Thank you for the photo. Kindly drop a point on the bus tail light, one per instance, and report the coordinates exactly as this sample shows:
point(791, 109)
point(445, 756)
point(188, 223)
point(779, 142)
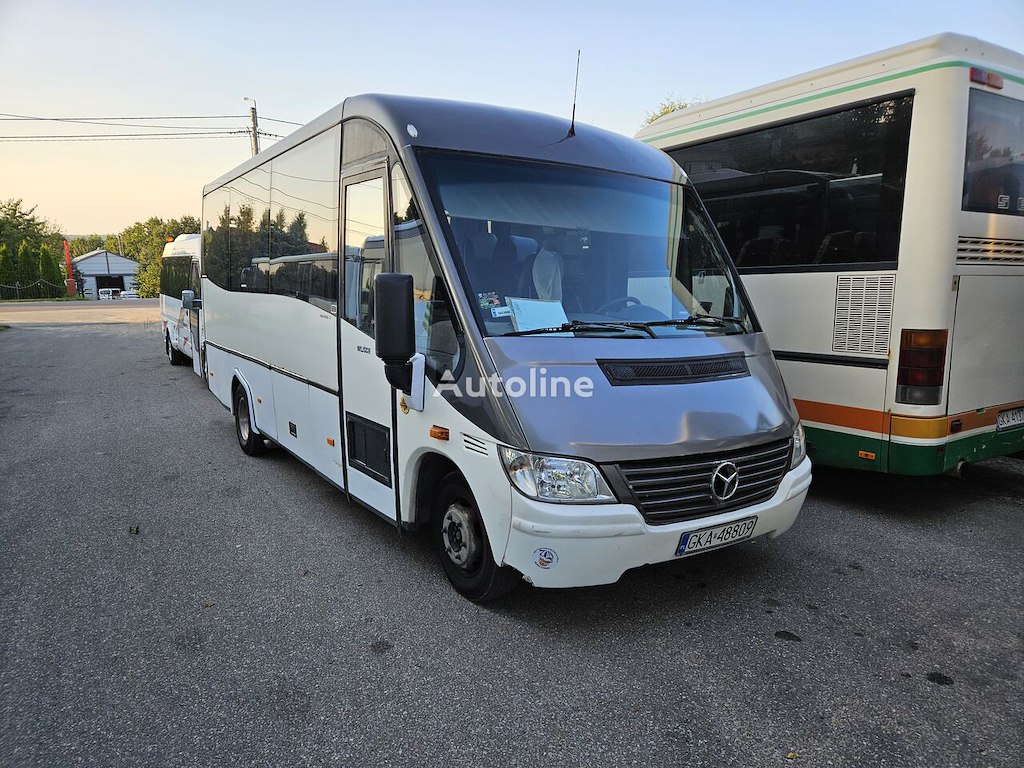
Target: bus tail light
point(922, 367)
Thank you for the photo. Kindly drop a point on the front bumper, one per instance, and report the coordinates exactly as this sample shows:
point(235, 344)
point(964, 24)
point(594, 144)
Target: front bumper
point(577, 545)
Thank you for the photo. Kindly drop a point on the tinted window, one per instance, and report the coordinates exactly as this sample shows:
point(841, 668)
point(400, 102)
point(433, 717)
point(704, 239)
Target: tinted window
point(362, 142)
point(364, 249)
point(827, 190)
point(249, 241)
point(302, 261)
point(438, 336)
point(216, 229)
point(174, 271)
point(195, 284)
point(994, 171)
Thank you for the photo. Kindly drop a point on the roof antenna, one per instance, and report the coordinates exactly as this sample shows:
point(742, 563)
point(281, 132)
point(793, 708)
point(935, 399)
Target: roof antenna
point(575, 88)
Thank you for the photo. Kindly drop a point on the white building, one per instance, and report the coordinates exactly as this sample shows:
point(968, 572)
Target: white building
point(103, 269)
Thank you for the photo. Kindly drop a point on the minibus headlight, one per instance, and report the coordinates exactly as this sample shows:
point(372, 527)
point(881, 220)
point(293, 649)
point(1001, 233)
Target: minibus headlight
point(799, 446)
point(551, 478)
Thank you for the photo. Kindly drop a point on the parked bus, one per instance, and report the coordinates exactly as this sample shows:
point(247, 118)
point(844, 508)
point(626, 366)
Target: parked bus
point(536, 347)
point(180, 270)
point(875, 210)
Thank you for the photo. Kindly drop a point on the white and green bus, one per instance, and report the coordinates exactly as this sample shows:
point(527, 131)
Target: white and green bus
point(875, 210)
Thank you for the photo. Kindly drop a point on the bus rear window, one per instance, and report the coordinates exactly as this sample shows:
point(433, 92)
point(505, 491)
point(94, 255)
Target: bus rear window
point(994, 169)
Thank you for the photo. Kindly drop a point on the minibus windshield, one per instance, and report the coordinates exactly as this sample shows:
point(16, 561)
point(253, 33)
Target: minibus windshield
point(564, 250)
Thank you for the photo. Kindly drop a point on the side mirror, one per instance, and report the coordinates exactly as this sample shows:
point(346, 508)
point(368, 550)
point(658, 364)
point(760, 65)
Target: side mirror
point(189, 300)
point(393, 317)
point(395, 340)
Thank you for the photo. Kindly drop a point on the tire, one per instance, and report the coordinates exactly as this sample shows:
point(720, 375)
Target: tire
point(173, 355)
point(461, 543)
point(250, 441)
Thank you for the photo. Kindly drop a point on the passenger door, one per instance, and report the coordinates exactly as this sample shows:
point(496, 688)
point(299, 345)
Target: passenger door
point(195, 330)
point(367, 399)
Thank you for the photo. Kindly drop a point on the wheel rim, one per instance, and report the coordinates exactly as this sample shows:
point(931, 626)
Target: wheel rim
point(459, 536)
point(243, 420)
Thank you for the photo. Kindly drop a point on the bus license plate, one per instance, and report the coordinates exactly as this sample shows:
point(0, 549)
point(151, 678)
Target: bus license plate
point(693, 542)
point(1010, 419)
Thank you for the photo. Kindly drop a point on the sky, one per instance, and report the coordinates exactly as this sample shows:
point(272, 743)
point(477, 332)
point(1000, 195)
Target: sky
point(139, 58)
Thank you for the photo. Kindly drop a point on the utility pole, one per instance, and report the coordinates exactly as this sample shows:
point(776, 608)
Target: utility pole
point(255, 136)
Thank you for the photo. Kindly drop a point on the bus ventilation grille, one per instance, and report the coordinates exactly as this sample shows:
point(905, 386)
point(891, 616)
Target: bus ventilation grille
point(474, 445)
point(671, 490)
point(668, 371)
point(974, 250)
point(863, 314)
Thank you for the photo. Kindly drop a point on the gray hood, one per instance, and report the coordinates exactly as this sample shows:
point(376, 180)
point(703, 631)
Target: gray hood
point(641, 420)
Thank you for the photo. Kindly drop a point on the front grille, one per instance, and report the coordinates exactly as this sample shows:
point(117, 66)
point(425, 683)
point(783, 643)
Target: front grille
point(671, 490)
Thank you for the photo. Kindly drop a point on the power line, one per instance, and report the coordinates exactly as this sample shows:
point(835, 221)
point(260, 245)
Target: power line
point(184, 130)
point(286, 122)
point(150, 137)
point(215, 132)
point(8, 116)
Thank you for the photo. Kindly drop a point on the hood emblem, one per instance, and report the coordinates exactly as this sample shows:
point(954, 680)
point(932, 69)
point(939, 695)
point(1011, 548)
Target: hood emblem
point(725, 480)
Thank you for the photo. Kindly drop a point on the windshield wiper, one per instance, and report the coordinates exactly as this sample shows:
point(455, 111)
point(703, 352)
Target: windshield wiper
point(580, 325)
point(711, 321)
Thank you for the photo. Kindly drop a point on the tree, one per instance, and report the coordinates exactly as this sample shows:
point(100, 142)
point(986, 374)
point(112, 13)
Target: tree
point(668, 105)
point(83, 245)
point(49, 271)
point(18, 225)
point(144, 242)
point(8, 270)
point(28, 265)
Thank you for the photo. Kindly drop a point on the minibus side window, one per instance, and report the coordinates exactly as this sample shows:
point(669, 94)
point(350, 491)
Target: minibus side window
point(364, 249)
point(438, 337)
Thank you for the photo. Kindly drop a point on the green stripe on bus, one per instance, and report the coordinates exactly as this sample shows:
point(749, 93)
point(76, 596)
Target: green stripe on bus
point(833, 92)
point(839, 449)
point(987, 445)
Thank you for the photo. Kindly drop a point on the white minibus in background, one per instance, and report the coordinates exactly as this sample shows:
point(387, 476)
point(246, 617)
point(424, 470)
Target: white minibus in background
point(180, 270)
point(875, 210)
point(520, 334)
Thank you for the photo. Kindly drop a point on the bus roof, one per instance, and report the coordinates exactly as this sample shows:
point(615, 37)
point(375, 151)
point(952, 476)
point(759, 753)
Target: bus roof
point(183, 245)
point(479, 128)
point(937, 51)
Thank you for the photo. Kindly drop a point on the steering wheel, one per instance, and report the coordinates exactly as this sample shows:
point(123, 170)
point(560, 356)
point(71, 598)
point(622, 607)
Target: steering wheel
point(624, 300)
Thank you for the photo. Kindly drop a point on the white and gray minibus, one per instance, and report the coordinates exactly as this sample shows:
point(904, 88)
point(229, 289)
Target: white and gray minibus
point(182, 328)
point(521, 334)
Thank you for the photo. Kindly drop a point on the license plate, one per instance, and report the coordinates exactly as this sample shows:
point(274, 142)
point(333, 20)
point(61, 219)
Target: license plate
point(1010, 419)
point(693, 542)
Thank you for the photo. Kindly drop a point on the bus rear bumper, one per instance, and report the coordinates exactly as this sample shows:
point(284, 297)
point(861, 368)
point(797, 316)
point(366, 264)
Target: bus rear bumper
point(576, 545)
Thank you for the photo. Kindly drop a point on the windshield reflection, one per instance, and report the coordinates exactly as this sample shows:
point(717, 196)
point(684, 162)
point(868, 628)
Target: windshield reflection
point(571, 251)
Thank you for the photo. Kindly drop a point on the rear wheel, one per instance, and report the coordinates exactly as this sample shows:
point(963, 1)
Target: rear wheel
point(250, 441)
point(462, 546)
point(173, 355)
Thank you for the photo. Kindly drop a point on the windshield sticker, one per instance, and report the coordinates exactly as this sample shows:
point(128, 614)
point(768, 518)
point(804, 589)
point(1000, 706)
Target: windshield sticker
point(488, 300)
point(531, 314)
point(501, 311)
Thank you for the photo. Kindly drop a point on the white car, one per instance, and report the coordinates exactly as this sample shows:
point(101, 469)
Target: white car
point(131, 293)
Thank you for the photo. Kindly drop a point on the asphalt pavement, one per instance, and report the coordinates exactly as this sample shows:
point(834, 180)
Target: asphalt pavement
point(167, 600)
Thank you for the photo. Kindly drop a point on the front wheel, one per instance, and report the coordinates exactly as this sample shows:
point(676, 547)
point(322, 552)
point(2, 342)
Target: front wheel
point(175, 357)
point(462, 546)
point(251, 442)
